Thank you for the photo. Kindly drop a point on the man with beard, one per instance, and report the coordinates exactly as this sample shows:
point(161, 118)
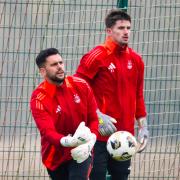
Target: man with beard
point(116, 74)
point(64, 110)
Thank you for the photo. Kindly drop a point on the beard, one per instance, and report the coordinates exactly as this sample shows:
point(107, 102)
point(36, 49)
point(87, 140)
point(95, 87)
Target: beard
point(56, 79)
point(123, 43)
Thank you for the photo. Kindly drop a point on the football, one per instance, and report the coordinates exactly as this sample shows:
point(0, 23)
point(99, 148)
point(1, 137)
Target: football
point(121, 145)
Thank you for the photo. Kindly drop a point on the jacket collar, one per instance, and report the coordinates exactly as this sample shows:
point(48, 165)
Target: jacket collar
point(112, 46)
point(50, 88)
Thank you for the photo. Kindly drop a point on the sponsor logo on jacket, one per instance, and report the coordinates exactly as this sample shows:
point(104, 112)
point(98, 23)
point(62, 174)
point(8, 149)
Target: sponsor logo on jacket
point(58, 110)
point(111, 67)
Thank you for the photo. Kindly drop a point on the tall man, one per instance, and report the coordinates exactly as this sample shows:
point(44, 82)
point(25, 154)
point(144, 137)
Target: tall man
point(64, 110)
point(116, 74)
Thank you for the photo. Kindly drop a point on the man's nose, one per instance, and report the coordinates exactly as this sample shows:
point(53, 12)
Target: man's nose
point(59, 66)
point(126, 31)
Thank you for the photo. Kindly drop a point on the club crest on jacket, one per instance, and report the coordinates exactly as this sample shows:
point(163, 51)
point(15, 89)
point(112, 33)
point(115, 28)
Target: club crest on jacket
point(76, 98)
point(129, 64)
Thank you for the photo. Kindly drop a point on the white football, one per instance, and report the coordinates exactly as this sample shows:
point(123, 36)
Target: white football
point(121, 145)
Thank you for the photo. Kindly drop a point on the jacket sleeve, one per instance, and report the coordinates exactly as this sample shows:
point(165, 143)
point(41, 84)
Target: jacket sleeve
point(140, 104)
point(44, 122)
point(92, 119)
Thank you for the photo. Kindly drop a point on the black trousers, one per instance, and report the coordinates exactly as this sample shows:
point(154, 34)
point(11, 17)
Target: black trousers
point(72, 170)
point(119, 170)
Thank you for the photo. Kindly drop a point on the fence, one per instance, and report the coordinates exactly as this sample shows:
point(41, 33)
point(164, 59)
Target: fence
point(74, 27)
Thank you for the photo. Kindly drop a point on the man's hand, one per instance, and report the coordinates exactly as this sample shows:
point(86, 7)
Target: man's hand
point(82, 135)
point(143, 134)
point(83, 151)
point(106, 126)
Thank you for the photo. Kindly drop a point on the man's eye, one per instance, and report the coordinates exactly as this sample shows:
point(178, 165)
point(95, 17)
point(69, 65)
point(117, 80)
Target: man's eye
point(121, 28)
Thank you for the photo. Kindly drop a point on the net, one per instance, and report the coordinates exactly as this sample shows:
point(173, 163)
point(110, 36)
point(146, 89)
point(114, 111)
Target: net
point(156, 37)
point(74, 27)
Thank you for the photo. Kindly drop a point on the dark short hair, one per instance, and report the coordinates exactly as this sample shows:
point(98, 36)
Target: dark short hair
point(41, 57)
point(115, 15)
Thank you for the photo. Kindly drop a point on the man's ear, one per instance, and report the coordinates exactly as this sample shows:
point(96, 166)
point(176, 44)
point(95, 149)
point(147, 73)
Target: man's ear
point(42, 71)
point(108, 31)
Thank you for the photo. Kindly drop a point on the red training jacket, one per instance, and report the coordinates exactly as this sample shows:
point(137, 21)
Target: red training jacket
point(116, 75)
point(57, 111)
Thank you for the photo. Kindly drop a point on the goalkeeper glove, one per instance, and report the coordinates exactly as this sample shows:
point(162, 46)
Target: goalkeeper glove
point(83, 151)
point(82, 135)
point(143, 134)
point(68, 141)
point(106, 126)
